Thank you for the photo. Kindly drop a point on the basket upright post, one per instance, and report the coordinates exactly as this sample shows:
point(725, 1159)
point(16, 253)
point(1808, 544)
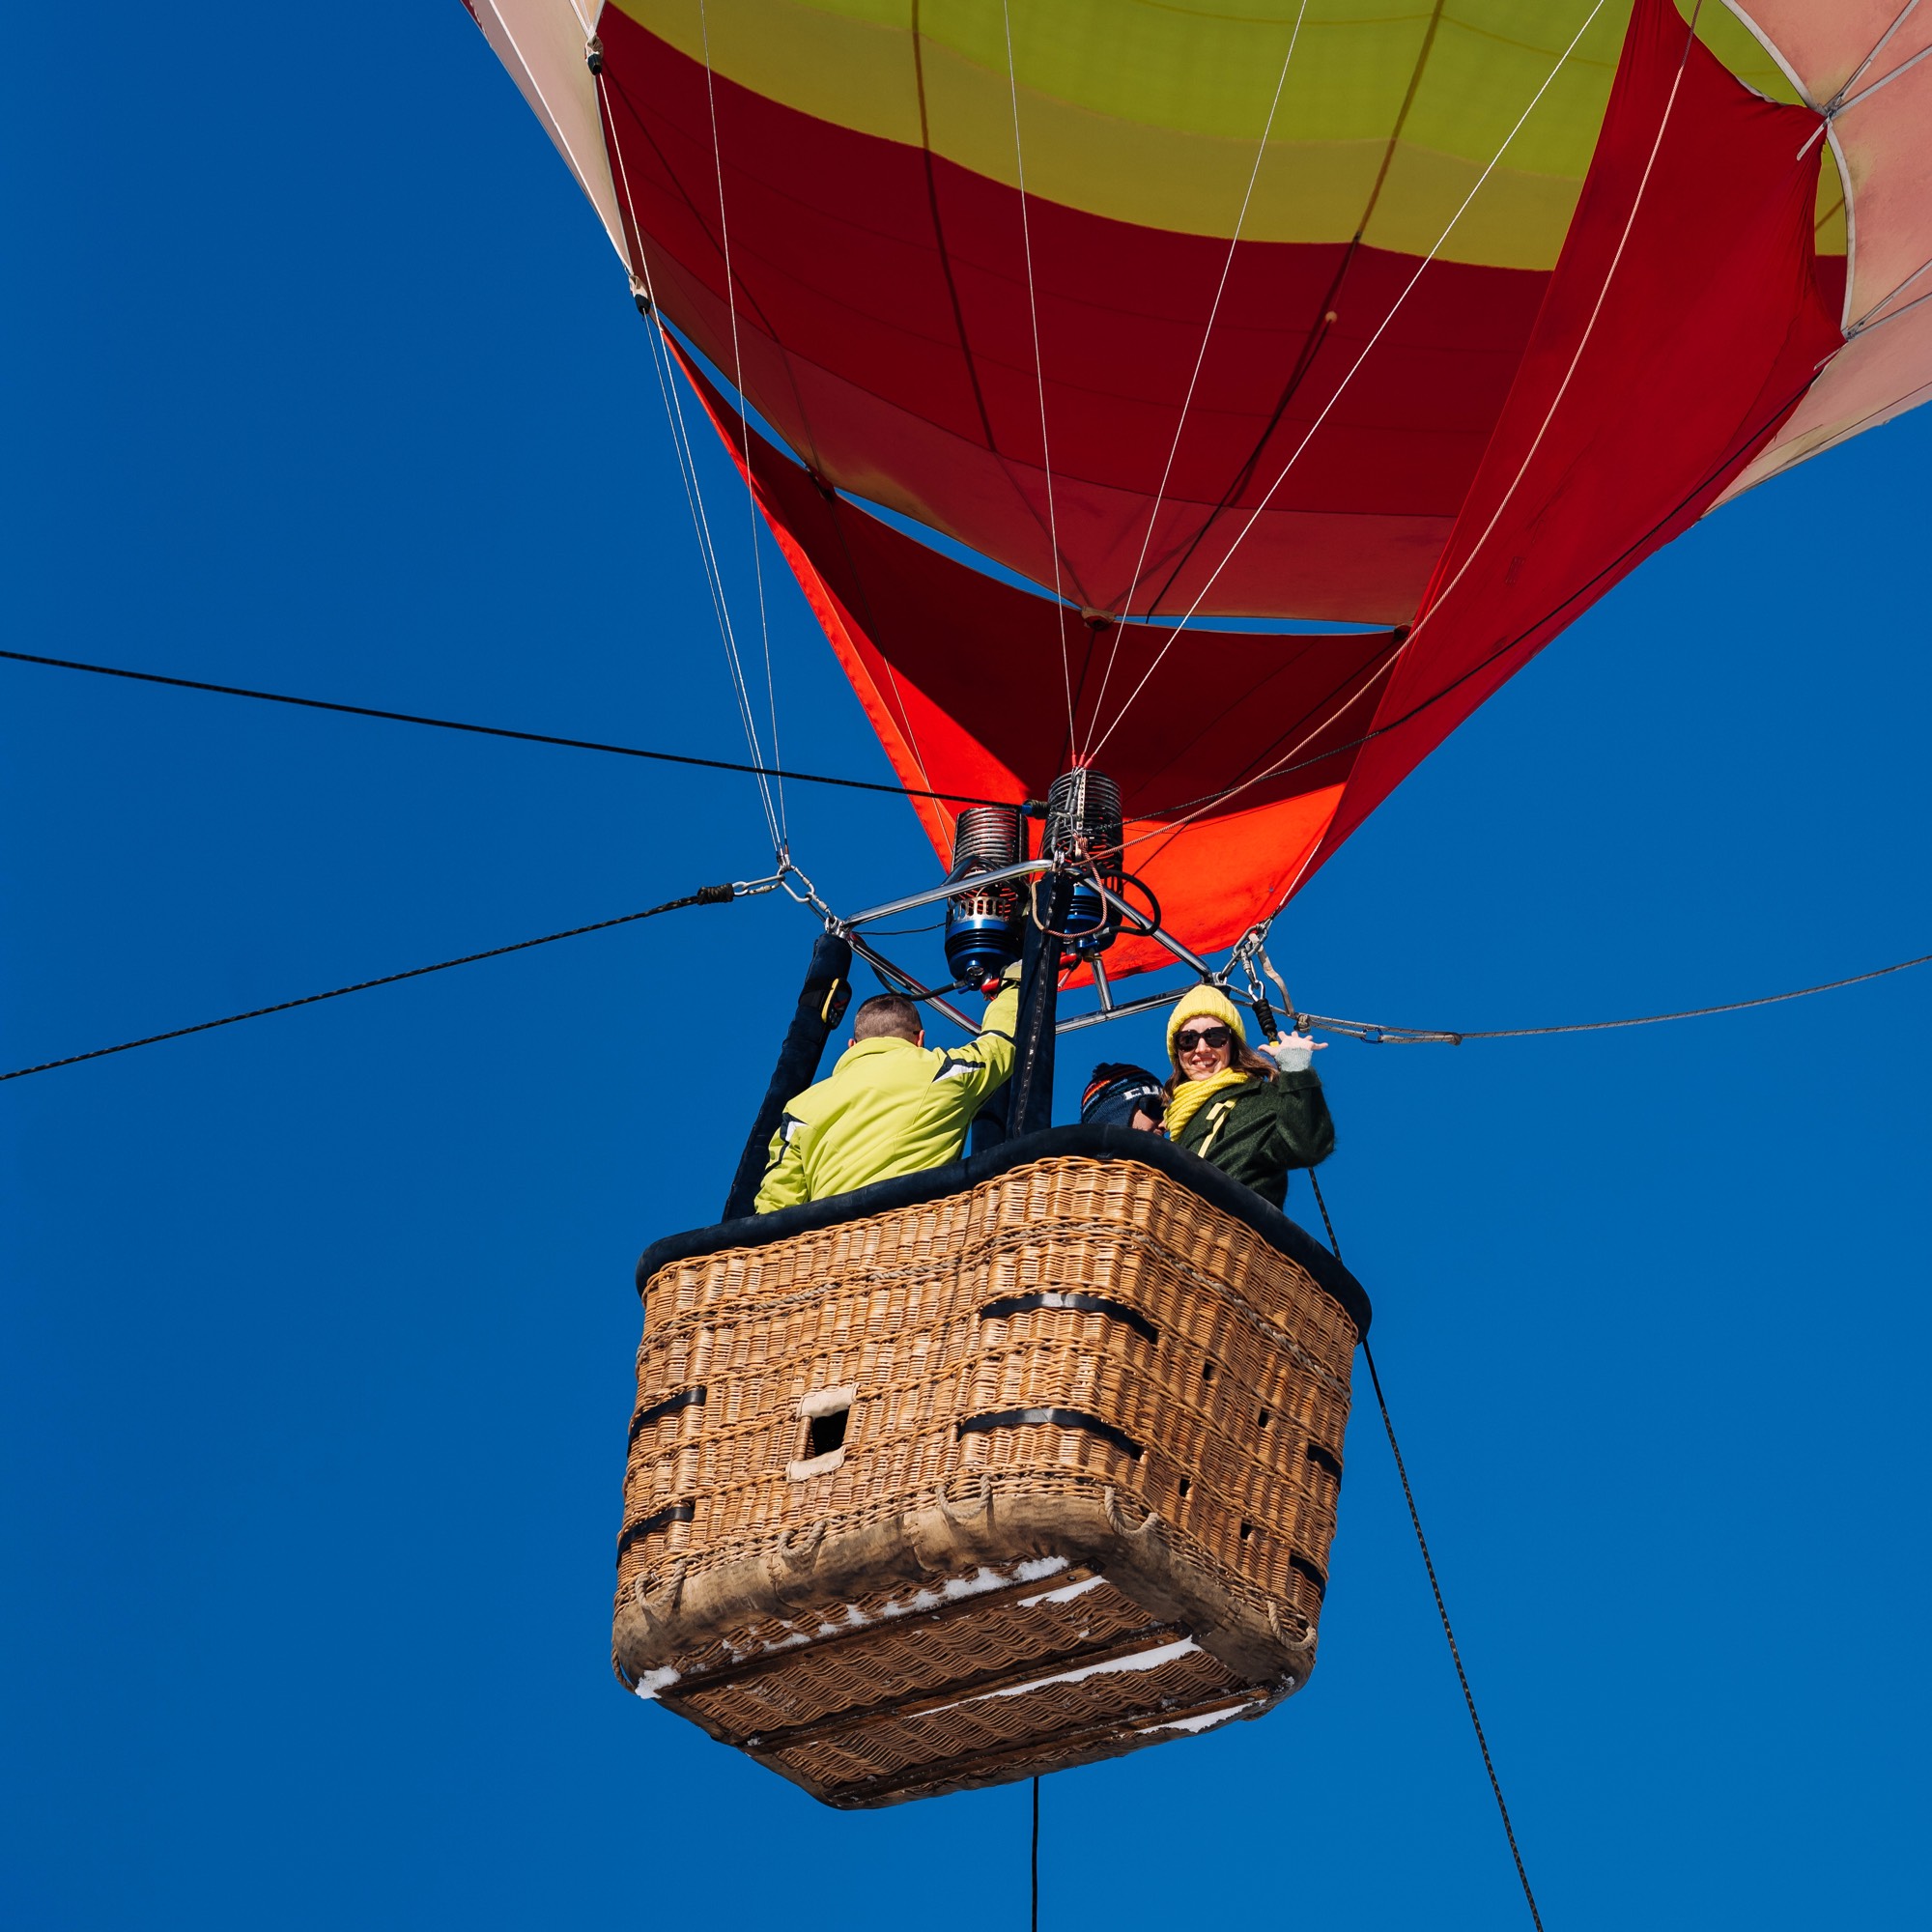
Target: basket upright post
point(821, 1005)
point(1030, 1094)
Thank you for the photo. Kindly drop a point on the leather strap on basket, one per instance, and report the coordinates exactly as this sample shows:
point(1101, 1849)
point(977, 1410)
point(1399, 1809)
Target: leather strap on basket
point(1057, 1418)
point(1085, 1304)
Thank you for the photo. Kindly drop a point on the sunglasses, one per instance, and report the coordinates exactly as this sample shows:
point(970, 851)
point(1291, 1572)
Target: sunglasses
point(1187, 1041)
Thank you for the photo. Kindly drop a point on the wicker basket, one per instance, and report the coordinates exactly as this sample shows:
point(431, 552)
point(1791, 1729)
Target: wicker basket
point(1014, 1465)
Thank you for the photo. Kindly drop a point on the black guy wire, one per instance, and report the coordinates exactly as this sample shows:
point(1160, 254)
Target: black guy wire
point(495, 731)
point(1035, 1855)
point(1434, 1585)
point(705, 895)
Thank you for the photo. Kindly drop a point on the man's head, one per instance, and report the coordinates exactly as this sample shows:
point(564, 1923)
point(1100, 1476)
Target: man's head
point(1121, 1096)
point(887, 1016)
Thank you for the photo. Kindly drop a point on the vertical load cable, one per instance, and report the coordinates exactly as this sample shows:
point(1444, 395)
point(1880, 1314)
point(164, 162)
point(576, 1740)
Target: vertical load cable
point(1583, 342)
point(1194, 377)
point(744, 424)
point(1435, 1586)
point(1405, 641)
point(1327, 407)
point(1040, 379)
point(689, 475)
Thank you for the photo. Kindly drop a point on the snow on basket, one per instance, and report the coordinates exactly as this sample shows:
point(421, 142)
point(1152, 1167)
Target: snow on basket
point(983, 1473)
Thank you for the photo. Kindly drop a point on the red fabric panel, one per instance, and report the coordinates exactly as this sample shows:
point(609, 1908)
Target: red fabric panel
point(1712, 324)
point(886, 336)
point(1679, 328)
point(961, 676)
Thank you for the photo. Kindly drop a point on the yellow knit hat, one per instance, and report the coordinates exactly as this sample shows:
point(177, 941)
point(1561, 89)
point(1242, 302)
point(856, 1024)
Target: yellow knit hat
point(1208, 1002)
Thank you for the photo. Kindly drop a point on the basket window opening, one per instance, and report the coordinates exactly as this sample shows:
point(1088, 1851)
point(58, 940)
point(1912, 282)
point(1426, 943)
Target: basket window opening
point(823, 1434)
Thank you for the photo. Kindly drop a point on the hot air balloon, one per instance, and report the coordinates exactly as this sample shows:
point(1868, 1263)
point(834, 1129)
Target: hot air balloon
point(1086, 361)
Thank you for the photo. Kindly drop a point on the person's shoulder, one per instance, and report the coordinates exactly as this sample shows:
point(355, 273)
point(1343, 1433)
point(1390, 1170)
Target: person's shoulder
point(811, 1100)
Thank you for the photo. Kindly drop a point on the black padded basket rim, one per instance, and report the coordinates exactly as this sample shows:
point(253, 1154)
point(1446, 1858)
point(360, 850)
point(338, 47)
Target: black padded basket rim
point(1085, 1143)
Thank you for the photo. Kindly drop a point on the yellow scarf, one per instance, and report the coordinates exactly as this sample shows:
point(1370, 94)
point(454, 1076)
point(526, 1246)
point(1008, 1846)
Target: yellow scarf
point(1191, 1096)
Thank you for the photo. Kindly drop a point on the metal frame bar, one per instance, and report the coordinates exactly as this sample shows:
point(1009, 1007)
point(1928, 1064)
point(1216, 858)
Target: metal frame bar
point(1133, 916)
point(1122, 1011)
point(1158, 933)
point(885, 970)
point(1102, 986)
point(979, 883)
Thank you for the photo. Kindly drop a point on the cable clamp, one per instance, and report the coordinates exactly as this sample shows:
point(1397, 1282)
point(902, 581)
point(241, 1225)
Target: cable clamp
point(801, 892)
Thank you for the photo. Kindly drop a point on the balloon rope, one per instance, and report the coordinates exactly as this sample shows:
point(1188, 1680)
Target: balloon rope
point(1549, 415)
point(687, 463)
point(1435, 603)
point(1040, 379)
point(667, 385)
point(1182, 815)
point(1200, 356)
point(1327, 407)
point(744, 428)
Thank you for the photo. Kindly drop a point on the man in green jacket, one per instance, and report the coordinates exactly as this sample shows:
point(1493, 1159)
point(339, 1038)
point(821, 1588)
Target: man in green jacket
point(891, 1105)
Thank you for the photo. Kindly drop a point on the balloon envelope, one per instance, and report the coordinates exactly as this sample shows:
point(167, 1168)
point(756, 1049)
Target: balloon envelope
point(1430, 326)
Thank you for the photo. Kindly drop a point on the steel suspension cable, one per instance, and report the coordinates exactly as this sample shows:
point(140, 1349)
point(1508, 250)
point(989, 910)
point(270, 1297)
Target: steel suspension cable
point(1436, 1587)
point(690, 476)
point(1407, 642)
point(1200, 356)
point(705, 895)
point(1173, 818)
point(693, 481)
point(1322, 416)
point(743, 426)
point(491, 731)
point(1040, 376)
point(1463, 569)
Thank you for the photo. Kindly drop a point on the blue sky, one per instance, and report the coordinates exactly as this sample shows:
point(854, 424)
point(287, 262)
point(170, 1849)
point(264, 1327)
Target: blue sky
point(318, 1330)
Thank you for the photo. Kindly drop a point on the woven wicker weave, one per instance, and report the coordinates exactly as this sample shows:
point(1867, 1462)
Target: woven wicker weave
point(1083, 1501)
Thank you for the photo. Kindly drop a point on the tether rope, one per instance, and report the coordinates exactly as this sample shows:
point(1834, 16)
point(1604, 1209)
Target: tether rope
point(705, 895)
point(1434, 1585)
point(1035, 1855)
point(493, 730)
point(1396, 1036)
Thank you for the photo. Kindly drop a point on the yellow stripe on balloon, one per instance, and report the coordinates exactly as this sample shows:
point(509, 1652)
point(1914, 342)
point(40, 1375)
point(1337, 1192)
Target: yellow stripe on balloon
point(1150, 113)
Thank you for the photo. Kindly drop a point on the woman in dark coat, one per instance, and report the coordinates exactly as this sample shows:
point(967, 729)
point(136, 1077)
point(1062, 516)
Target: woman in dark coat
point(1253, 1118)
